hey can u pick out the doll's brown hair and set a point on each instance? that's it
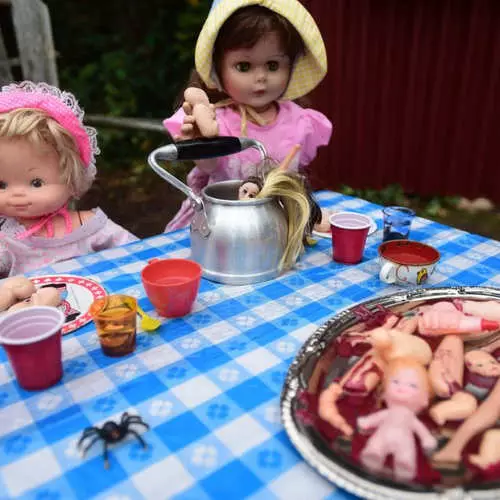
(41, 130)
(242, 30)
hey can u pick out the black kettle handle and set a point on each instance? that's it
(203, 148)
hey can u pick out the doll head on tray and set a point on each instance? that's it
(47, 155)
(251, 53)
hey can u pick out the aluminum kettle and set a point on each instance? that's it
(235, 241)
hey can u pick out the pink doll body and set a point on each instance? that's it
(366, 373)
(256, 71)
(444, 318)
(46, 160)
(406, 392)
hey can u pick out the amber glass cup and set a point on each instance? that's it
(115, 319)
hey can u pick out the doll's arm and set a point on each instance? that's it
(373, 420)
(429, 442)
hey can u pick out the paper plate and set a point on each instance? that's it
(326, 356)
(373, 229)
(77, 293)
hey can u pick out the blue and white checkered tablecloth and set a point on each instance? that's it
(208, 384)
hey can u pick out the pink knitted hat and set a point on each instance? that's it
(62, 106)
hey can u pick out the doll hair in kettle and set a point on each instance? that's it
(243, 29)
(290, 191)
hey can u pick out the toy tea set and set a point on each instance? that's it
(395, 398)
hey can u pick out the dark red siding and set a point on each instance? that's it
(413, 89)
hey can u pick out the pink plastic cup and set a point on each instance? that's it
(32, 340)
(172, 285)
(349, 232)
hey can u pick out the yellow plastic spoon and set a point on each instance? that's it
(148, 323)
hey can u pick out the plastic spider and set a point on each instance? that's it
(111, 432)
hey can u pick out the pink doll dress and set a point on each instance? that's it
(293, 125)
(21, 256)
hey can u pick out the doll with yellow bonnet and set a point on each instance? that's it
(254, 58)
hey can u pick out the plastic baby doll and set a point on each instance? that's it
(46, 160)
(254, 57)
(388, 345)
(406, 393)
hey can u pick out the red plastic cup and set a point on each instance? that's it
(32, 339)
(349, 232)
(172, 285)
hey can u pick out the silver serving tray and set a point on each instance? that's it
(315, 448)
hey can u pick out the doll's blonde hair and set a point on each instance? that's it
(40, 129)
(290, 191)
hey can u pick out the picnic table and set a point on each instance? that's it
(208, 384)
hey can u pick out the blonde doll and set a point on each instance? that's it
(46, 160)
(254, 58)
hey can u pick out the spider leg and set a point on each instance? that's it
(125, 417)
(96, 438)
(139, 421)
(105, 454)
(134, 433)
(87, 433)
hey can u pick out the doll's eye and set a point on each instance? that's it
(36, 183)
(3, 185)
(413, 386)
(273, 65)
(243, 67)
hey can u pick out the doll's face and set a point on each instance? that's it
(30, 179)
(405, 387)
(248, 191)
(482, 363)
(258, 75)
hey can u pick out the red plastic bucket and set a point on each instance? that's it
(172, 285)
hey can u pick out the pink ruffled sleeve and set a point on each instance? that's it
(174, 123)
(317, 133)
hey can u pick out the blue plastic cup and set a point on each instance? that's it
(397, 223)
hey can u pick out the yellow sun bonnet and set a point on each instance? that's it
(309, 69)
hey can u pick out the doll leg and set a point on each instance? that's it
(364, 376)
(328, 411)
(374, 453)
(447, 366)
(461, 405)
(483, 418)
(489, 450)
(405, 462)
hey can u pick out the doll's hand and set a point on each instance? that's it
(189, 129)
(363, 424)
(429, 444)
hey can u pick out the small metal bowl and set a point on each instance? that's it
(327, 457)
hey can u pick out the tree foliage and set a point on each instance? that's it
(125, 58)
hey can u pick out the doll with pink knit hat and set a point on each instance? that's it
(254, 58)
(47, 159)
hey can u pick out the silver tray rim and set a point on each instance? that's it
(315, 345)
